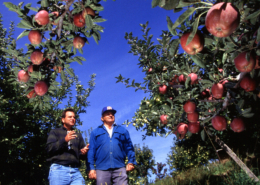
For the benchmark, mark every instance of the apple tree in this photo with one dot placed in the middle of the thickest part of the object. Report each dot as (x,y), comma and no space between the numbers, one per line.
(202,76)
(24,127)
(145,162)
(56,31)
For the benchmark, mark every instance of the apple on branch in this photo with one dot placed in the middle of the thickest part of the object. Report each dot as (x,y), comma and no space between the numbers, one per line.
(222,19)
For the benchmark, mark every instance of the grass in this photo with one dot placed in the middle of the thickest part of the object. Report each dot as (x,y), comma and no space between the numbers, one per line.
(228,173)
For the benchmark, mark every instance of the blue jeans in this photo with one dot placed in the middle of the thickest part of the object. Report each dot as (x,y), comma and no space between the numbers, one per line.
(118,176)
(62,175)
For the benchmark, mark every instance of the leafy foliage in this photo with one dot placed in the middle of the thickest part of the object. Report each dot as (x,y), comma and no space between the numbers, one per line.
(24,126)
(164,62)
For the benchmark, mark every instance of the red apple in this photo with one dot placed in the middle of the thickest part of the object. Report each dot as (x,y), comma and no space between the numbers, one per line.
(41,88)
(42,17)
(23,76)
(163,119)
(174,80)
(32,68)
(150,69)
(35,37)
(194,127)
(78,42)
(205,93)
(189,107)
(58,67)
(242,64)
(79,20)
(222,19)
(195,46)
(88,11)
(217,90)
(37,57)
(163,89)
(182,128)
(193,117)
(237,125)
(56,14)
(31,94)
(248,84)
(182,79)
(257,66)
(193,78)
(219,123)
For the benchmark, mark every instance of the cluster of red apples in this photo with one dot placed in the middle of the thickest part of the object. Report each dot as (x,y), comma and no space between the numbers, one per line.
(221,21)
(37,57)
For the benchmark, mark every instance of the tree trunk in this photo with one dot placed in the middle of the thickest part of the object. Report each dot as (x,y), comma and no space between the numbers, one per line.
(236,159)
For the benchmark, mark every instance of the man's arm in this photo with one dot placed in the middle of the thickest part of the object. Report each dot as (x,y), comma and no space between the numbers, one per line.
(53,144)
(91,153)
(130,152)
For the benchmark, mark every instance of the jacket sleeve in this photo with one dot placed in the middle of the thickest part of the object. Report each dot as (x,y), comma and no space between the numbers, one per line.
(129,149)
(54,145)
(91,153)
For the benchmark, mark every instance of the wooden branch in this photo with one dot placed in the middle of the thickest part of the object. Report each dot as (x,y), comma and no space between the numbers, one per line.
(235,158)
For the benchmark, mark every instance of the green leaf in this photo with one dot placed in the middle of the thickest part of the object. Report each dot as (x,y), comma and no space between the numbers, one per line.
(253,15)
(155,3)
(208,41)
(258,35)
(169,25)
(194,28)
(25,24)
(99,20)
(207,82)
(240,104)
(89,22)
(206,120)
(70,71)
(63,77)
(24,33)
(95,37)
(33,9)
(197,60)
(44,3)
(249,115)
(202,134)
(187,82)
(183,17)
(183,3)
(169,4)
(245,111)
(173,47)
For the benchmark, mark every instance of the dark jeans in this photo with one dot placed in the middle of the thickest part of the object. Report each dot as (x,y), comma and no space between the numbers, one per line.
(118,176)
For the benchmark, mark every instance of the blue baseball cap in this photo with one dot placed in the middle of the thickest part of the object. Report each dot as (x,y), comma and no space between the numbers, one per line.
(108,108)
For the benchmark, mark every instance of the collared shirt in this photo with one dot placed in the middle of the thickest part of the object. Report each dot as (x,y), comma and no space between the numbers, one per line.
(60,152)
(106,152)
(110,131)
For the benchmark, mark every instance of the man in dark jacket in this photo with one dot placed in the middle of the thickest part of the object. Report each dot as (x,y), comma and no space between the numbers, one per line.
(109,146)
(65,148)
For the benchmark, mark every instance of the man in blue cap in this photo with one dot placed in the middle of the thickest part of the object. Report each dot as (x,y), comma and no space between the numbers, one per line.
(110,144)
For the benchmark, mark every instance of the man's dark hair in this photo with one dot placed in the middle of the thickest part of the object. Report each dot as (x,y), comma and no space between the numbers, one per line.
(67,110)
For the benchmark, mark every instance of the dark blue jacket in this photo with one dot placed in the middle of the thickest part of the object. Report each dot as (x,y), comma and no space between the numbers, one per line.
(106,152)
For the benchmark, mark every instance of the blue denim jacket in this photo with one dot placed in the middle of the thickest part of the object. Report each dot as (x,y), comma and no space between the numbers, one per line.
(106,152)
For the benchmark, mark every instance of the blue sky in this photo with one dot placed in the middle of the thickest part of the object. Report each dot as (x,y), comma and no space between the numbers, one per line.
(111,58)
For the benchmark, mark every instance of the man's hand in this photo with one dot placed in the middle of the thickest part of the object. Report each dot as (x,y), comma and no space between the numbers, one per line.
(71,135)
(130,167)
(92,174)
(84,150)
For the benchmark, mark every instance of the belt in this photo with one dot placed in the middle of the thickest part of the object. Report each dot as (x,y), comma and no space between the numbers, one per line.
(71,165)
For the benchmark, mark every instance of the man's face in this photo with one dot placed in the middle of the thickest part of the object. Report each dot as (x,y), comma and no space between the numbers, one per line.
(69,119)
(108,117)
